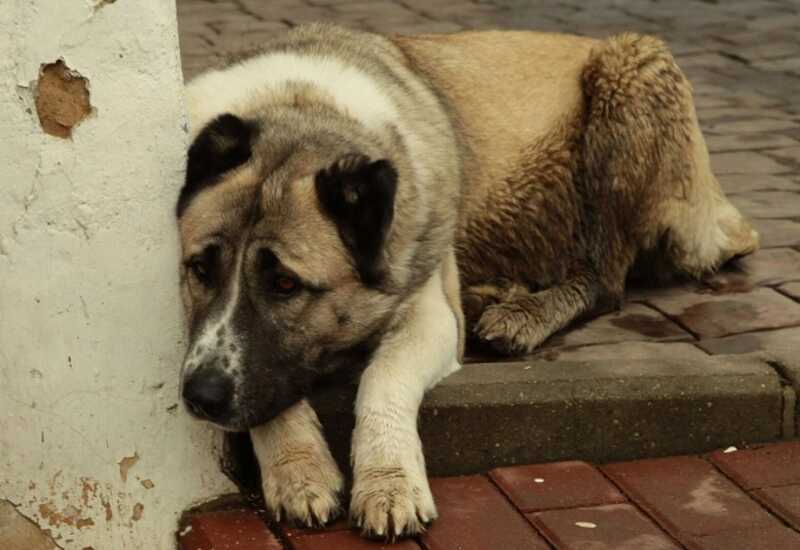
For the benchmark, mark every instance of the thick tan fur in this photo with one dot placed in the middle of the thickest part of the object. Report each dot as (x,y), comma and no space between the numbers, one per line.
(580,156)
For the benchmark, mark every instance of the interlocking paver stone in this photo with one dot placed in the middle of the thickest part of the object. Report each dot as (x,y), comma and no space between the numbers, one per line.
(633,322)
(775,233)
(769,466)
(773,537)
(688,496)
(228,530)
(557,485)
(474,515)
(610,527)
(768,204)
(783,501)
(714,315)
(763,268)
(791,289)
(748,162)
(623,350)
(787,339)
(341,540)
(748,142)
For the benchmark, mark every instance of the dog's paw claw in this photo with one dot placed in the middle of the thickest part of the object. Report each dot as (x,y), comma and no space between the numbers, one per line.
(303,492)
(509,329)
(389,505)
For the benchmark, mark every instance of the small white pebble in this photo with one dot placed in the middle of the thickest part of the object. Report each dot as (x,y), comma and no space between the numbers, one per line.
(529,367)
(586,524)
(538,480)
(730,450)
(186,531)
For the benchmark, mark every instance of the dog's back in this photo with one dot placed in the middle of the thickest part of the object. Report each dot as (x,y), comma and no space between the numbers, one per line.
(507,90)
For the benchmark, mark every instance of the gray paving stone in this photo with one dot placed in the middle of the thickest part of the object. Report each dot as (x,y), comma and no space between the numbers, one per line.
(766,267)
(768,204)
(748,142)
(793,291)
(634,322)
(788,155)
(751,126)
(715,315)
(777,232)
(785,340)
(744,183)
(745,162)
(640,351)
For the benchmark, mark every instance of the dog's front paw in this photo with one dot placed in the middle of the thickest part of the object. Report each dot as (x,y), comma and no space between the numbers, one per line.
(511,328)
(391,502)
(303,488)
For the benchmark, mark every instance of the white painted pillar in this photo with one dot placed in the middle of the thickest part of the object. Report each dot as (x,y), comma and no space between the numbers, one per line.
(94,445)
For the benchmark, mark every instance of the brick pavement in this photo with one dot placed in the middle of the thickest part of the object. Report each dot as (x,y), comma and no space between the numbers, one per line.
(748,499)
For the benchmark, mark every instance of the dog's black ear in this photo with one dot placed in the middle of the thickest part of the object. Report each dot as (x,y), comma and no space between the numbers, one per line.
(225,143)
(358,194)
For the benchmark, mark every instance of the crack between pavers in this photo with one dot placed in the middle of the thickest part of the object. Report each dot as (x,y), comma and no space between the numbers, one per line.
(644,509)
(784,293)
(674,319)
(706,457)
(244,9)
(520,512)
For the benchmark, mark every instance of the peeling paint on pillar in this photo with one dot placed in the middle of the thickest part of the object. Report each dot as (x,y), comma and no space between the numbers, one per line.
(62,99)
(90,318)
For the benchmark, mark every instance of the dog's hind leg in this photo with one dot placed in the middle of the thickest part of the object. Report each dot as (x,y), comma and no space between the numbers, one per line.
(300,478)
(643,137)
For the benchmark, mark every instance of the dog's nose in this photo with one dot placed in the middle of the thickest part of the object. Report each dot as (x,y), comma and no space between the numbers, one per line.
(208,393)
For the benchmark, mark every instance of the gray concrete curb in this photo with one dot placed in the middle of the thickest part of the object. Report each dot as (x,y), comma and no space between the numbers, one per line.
(495,414)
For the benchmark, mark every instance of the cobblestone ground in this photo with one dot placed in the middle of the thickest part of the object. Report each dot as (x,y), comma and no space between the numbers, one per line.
(743,58)
(748,500)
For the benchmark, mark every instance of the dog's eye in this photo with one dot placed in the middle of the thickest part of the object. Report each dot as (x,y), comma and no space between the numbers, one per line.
(283,284)
(203,266)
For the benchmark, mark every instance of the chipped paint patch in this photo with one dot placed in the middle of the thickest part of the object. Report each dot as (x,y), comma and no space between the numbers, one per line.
(138,511)
(62,99)
(126,464)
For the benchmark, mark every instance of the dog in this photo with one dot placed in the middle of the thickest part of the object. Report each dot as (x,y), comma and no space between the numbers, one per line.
(346,192)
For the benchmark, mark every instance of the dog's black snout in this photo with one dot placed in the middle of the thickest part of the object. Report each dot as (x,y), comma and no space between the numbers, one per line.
(207,393)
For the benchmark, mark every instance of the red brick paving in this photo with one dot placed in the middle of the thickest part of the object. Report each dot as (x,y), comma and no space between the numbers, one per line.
(774,537)
(473,513)
(340,540)
(769,466)
(610,527)
(688,496)
(228,530)
(656,504)
(783,501)
(557,485)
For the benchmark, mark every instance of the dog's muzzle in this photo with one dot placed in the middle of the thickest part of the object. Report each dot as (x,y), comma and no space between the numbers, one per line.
(208,393)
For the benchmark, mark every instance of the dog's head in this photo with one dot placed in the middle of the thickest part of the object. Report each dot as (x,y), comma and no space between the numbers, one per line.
(283,272)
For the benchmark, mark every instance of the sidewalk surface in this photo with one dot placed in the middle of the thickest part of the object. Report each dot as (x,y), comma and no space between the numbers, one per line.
(732,499)
(664,375)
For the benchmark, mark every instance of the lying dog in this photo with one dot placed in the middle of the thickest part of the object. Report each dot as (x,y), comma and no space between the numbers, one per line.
(345,191)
